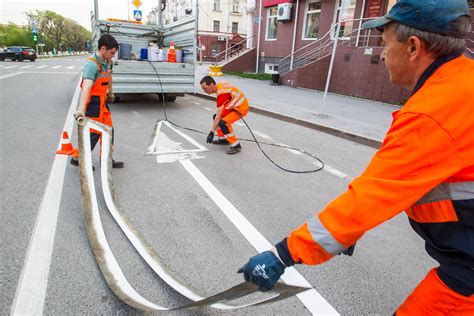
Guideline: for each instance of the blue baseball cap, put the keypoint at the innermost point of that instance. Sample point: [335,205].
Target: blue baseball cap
[425,15]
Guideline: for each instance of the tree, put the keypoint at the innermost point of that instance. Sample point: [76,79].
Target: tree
[14,35]
[62,32]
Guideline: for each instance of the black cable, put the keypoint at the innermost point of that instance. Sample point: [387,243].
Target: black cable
[254,140]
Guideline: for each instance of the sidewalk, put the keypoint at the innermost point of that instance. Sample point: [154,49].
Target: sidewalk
[359,120]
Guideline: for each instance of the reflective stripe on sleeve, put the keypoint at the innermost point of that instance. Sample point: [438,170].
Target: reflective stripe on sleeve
[461,190]
[323,237]
[449,191]
[234,100]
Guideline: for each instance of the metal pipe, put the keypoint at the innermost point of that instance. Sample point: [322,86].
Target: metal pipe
[294,35]
[159,15]
[360,23]
[258,36]
[331,64]
[96,10]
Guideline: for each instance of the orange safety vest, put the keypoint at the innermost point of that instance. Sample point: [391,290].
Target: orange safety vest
[424,166]
[237,102]
[96,106]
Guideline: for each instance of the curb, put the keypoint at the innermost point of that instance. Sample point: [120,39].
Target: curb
[364,140]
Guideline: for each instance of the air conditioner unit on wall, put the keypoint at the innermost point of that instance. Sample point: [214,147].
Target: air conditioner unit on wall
[221,38]
[284,12]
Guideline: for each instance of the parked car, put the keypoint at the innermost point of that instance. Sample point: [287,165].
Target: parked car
[18,53]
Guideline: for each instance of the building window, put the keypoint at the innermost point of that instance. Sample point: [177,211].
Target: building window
[346,12]
[217,5]
[271,68]
[215,46]
[217,26]
[235,6]
[311,19]
[235,27]
[272,23]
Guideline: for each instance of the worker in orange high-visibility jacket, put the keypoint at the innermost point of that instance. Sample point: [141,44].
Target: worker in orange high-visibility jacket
[232,105]
[424,167]
[96,90]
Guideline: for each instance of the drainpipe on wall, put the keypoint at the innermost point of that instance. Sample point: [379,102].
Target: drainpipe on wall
[250,17]
[294,34]
[360,23]
[258,36]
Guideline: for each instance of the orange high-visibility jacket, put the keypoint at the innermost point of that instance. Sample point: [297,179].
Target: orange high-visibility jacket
[230,97]
[424,166]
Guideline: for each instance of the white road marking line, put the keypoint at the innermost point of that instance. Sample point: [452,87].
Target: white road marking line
[260,134]
[31,291]
[207,109]
[39,67]
[10,75]
[52,72]
[56,67]
[9,67]
[196,103]
[70,67]
[25,67]
[293,151]
[335,172]
[313,301]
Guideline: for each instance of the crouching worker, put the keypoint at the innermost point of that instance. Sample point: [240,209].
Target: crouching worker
[232,105]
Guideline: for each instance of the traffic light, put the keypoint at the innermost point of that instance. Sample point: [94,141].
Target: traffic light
[35,37]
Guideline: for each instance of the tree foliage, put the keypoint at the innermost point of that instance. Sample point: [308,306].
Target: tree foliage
[12,35]
[56,31]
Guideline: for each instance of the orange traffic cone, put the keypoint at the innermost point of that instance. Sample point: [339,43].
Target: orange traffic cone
[66,146]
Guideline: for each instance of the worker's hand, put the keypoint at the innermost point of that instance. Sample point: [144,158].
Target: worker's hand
[78,114]
[111,97]
[349,251]
[210,137]
[263,270]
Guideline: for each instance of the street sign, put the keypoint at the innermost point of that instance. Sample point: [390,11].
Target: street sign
[137,3]
[41,44]
[137,14]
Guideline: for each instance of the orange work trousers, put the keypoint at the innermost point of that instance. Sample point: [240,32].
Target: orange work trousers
[433,297]
[231,118]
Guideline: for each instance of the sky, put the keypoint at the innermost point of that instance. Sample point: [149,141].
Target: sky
[77,10]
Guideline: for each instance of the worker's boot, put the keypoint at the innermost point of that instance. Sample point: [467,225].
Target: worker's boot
[117,164]
[234,149]
[75,162]
[221,141]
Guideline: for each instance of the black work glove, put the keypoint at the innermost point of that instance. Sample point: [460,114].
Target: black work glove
[263,270]
[210,137]
[349,251]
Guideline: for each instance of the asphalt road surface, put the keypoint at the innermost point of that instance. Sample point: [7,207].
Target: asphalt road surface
[172,206]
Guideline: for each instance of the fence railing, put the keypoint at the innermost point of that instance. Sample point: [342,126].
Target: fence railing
[235,49]
[349,34]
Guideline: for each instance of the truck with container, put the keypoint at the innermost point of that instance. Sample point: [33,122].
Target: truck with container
[141,65]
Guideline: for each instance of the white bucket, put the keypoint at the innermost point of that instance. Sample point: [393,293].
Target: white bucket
[153,52]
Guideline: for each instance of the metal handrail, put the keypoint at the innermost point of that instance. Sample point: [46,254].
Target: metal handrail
[233,50]
[321,48]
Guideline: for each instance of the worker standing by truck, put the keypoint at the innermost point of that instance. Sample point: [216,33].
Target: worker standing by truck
[96,90]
